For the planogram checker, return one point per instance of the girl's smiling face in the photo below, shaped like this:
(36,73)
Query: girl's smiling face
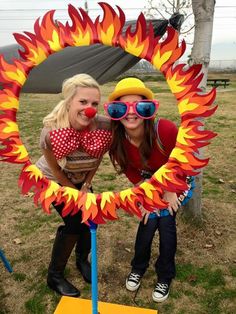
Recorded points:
(84,98)
(131,121)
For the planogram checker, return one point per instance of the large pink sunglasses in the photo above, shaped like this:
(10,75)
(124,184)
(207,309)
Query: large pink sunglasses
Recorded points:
(144,109)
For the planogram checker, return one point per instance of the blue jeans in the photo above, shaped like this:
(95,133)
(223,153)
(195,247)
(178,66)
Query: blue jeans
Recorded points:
(165,263)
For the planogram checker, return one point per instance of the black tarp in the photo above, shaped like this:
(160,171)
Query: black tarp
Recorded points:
(104,63)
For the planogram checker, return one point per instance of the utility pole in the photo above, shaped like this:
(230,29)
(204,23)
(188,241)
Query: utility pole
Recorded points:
(86,6)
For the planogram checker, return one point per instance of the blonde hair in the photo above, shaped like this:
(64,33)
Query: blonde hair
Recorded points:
(58,117)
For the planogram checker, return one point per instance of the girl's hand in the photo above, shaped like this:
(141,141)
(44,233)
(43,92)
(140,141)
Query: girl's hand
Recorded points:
(173,201)
(145,213)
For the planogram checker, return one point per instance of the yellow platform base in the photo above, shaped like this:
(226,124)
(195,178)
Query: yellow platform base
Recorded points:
(69,305)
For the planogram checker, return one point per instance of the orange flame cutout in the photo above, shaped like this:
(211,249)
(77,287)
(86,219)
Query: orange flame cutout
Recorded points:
(194,105)
(35,50)
(32,178)
(33,172)
(192,136)
(48,194)
(82,32)
(108,204)
(111,26)
(183,81)
(69,197)
(167,178)
(140,42)
(51,36)
(14,152)
(8,128)
(129,202)
(87,203)
(13,73)
(49,31)
(150,195)
(187,159)
(167,52)
(8,100)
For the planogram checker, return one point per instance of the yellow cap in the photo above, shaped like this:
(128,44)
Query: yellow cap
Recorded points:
(130,86)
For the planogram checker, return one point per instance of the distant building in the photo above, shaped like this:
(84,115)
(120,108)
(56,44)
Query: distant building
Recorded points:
(144,66)
(223,65)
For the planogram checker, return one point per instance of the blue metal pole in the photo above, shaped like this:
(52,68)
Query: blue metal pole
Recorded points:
(93,231)
(5,261)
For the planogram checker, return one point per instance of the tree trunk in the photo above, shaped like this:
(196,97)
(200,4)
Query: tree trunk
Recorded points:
(203,11)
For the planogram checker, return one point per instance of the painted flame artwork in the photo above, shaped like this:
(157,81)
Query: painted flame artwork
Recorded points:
(51,36)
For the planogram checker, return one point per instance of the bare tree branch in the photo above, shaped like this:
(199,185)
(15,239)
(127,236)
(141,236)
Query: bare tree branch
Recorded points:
(186,32)
(188,16)
(164,8)
(172,4)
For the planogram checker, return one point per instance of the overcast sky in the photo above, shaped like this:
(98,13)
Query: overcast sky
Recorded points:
(20,15)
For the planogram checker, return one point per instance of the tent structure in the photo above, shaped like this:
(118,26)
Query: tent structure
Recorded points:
(104,63)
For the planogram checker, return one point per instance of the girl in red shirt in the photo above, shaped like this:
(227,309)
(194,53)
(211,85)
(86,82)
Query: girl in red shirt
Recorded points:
(139,148)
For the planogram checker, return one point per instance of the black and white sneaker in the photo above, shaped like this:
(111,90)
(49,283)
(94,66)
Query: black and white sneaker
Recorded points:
(133,281)
(160,292)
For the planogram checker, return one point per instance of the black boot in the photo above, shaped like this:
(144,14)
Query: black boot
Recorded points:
(63,245)
(82,250)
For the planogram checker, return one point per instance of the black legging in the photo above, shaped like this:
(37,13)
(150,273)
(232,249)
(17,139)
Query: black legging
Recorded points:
(73,223)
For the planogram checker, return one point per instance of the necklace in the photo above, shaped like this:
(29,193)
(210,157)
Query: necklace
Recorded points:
(136,143)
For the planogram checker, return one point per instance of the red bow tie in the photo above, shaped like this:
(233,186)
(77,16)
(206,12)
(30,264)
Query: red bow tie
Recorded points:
(66,140)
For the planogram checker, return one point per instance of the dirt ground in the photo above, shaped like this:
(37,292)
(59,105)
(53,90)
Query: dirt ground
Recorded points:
(28,248)
(26,236)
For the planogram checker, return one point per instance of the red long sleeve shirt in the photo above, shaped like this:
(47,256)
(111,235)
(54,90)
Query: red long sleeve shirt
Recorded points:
(167,133)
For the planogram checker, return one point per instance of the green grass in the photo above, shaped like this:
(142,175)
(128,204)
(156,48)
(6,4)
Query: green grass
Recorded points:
(19,276)
(3,309)
(211,301)
(232,270)
(107,176)
(212,282)
(27,228)
(36,304)
(202,285)
(157,90)
(205,276)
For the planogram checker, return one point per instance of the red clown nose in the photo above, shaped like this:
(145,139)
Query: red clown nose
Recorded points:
(90,112)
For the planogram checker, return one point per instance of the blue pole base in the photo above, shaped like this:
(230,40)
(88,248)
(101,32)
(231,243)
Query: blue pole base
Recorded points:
(5,262)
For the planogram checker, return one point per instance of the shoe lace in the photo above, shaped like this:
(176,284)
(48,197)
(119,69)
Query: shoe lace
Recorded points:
(161,287)
(134,277)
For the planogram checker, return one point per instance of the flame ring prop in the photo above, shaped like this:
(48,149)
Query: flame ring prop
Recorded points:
(51,37)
